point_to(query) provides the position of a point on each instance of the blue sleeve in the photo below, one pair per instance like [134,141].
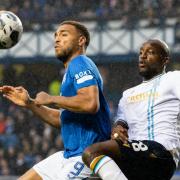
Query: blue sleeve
[82,75]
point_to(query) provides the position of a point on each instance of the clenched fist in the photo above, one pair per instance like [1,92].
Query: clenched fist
[119,132]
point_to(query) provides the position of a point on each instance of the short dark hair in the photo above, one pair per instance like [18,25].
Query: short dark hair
[81,28]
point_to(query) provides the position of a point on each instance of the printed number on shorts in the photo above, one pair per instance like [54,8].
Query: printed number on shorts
[78,167]
[139,146]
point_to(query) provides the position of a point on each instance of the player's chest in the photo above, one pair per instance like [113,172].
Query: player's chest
[67,86]
[147,95]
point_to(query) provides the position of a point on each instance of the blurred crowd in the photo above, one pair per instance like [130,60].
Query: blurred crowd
[44,14]
[24,140]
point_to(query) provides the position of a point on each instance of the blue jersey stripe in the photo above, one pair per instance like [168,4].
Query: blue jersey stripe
[150,114]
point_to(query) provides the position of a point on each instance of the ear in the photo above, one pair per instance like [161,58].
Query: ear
[164,64]
[166,61]
[82,41]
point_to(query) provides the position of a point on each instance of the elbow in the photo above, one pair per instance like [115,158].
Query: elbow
[92,108]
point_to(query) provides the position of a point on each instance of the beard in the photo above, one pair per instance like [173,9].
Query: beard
[148,73]
[65,55]
[144,74]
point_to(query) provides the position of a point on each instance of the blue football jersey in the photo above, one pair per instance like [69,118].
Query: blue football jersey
[80,130]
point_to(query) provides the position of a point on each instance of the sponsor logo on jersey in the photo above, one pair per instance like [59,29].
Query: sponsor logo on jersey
[142,97]
[83,76]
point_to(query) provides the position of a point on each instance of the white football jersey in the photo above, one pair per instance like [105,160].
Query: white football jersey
[152,111]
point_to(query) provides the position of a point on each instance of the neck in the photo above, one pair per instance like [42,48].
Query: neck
[80,52]
[146,78]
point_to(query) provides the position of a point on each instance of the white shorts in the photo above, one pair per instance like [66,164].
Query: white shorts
[56,167]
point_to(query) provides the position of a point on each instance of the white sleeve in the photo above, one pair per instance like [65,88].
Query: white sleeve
[175,82]
[120,112]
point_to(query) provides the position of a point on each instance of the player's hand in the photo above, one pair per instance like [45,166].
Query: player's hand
[119,132]
[17,95]
[43,98]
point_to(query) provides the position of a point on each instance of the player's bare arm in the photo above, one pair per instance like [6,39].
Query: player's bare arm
[20,96]
[86,100]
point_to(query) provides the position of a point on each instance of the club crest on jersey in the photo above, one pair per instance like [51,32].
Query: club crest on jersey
[83,76]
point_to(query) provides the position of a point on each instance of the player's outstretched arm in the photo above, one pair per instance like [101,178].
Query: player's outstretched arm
[86,100]
[20,96]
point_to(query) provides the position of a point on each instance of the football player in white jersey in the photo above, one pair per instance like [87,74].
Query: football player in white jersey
[145,139]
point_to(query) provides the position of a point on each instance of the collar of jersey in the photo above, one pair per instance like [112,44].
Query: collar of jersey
[159,75]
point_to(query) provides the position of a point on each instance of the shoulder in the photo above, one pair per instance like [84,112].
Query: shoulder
[81,66]
[76,64]
[80,60]
[172,76]
[171,73]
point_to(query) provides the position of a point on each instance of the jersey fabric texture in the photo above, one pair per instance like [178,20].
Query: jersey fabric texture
[152,109]
[81,130]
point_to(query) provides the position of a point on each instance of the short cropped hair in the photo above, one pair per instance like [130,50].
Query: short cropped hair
[81,28]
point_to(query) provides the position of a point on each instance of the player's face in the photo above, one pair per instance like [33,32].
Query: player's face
[150,60]
[66,41]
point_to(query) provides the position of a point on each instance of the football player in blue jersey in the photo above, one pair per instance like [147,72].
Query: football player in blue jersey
[82,114]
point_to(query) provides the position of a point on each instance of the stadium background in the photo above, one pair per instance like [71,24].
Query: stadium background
[117,27]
